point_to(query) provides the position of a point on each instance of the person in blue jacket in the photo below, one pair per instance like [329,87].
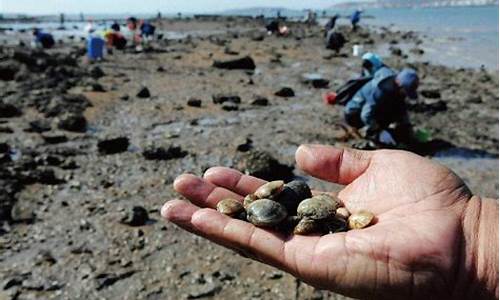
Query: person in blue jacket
[44,39]
[371,64]
[381,101]
[355,18]
[147,29]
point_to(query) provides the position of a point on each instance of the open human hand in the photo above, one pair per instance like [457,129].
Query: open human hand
[418,248]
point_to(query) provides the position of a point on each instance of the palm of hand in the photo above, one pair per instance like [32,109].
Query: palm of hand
[409,252]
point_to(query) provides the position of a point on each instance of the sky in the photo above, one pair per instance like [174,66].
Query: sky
[39,7]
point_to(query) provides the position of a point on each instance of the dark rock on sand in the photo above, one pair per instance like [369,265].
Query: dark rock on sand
[243,144]
[54,138]
[104,280]
[260,101]
[73,122]
[9,110]
[222,98]
[124,97]
[417,51]
[65,103]
[41,125]
[112,146]
[194,102]
[135,216]
[262,165]
[8,70]
[433,94]
[285,92]
[22,211]
[160,153]
[244,63]
[396,51]
[143,93]
[96,72]
[315,80]
[230,106]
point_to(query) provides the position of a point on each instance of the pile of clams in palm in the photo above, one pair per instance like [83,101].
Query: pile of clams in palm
[292,207]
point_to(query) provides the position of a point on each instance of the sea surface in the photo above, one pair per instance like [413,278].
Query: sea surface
[454,36]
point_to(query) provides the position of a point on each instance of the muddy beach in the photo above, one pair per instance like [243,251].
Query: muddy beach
[88,152]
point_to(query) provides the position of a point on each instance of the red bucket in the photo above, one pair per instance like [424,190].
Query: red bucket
[329,98]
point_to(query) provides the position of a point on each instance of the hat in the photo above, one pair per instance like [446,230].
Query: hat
[374,59]
[408,80]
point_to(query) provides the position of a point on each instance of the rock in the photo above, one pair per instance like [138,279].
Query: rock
[136,216]
[257,37]
[8,70]
[143,93]
[260,101]
[243,144]
[43,176]
[262,165]
[124,97]
[315,80]
[194,102]
[160,153]
[208,289]
[433,94]
[6,129]
[285,92]
[97,87]
[104,280]
[9,110]
[54,138]
[114,145]
[475,99]
[222,98]
[244,63]
[73,122]
[65,103]
[23,211]
[396,51]
[96,72]
[230,106]
[417,51]
[160,69]
[41,125]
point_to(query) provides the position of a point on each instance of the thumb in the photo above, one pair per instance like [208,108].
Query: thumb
[338,165]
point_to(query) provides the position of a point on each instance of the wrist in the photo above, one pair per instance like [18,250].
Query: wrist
[478,266]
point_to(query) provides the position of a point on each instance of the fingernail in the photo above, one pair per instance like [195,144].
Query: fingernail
[165,209]
[209,172]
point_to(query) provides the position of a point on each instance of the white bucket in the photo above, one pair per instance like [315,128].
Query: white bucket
[357,50]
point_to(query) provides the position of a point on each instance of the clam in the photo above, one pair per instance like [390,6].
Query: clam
[342,213]
[306,226]
[293,193]
[230,207]
[249,199]
[361,219]
[270,189]
[336,224]
[266,213]
[319,207]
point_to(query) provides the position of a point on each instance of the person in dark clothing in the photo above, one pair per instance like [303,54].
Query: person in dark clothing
[273,26]
[147,29]
[46,40]
[331,24]
[355,18]
[381,102]
[115,26]
[334,40]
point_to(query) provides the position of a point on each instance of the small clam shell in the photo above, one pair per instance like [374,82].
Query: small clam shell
[293,193]
[360,219]
[249,199]
[230,207]
[319,207]
[270,189]
[306,226]
[342,213]
[266,213]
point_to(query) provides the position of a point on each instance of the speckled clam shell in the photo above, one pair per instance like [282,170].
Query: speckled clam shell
[270,189]
[266,213]
[360,219]
[306,226]
[230,207]
[319,207]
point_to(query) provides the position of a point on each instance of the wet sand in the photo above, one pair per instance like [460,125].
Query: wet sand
[68,202]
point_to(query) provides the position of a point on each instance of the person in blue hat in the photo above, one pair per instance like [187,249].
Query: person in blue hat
[381,102]
[371,64]
[355,18]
